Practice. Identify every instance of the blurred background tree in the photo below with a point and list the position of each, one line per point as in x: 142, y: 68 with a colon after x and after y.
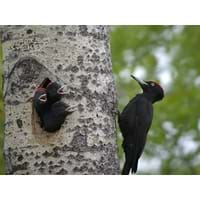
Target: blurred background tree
x: 168, y: 54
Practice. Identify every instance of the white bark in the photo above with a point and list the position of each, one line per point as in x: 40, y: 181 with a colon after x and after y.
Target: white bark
x: 79, y: 57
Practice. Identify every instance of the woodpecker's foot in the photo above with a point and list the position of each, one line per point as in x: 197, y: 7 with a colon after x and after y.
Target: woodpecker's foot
x: 71, y: 109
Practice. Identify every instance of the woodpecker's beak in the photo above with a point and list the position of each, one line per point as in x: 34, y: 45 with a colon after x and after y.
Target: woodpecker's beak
x: 141, y: 82
x: 61, y: 90
x: 43, y: 98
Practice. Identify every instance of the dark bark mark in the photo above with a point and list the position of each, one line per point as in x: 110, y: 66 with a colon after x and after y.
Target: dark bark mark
x: 62, y: 172
x: 19, y: 167
x: 19, y: 123
x: 98, y: 35
x: 29, y: 31
x: 83, y: 30
x: 6, y: 37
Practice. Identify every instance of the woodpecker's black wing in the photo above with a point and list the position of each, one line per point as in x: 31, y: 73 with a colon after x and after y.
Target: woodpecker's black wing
x: 55, y: 117
x: 134, y: 122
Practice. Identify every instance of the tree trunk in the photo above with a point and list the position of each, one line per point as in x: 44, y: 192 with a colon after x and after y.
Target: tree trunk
x: 78, y: 57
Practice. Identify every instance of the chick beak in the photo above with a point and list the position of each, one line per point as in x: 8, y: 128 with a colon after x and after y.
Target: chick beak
x: 61, y: 90
x: 141, y: 82
x: 43, y: 98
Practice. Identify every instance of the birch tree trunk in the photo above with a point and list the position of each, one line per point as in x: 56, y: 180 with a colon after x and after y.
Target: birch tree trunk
x: 78, y: 57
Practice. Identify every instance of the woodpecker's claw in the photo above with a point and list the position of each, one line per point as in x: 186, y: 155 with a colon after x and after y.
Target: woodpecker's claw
x: 71, y: 109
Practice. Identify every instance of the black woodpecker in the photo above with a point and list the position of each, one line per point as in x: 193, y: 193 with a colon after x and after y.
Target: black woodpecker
x: 135, y: 121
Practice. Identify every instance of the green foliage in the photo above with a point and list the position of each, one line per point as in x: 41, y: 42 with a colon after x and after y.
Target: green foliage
x: 174, y: 139
x: 1, y: 117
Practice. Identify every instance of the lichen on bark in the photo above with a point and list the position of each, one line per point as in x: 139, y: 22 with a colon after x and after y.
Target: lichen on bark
x: 78, y: 57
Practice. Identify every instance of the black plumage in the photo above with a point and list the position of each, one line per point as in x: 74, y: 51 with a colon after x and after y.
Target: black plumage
x: 135, y: 121
x: 55, y: 116
x: 54, y: 92
x: 40, y: 103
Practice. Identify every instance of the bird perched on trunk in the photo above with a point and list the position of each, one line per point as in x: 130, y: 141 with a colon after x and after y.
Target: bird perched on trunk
x: 135, y: 121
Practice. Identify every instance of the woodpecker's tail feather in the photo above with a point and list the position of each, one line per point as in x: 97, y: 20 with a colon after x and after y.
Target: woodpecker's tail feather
x: 134, y: 166
x: 126, y: 168
x: 131, y: 162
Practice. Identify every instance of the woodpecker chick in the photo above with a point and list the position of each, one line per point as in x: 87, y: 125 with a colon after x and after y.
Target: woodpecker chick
x: 51, y: 110
x: 54, y: 92
x: 135, y: 121
x: 55, y: 116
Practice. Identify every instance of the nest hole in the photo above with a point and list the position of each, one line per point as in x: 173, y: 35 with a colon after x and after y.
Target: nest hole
x: 42, y: 136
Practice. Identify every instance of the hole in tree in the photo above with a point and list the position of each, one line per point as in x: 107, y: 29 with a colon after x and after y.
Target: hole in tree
x: 42, y: 136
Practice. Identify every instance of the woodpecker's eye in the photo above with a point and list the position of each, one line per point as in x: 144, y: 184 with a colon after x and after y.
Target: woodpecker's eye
x: 153, y: 84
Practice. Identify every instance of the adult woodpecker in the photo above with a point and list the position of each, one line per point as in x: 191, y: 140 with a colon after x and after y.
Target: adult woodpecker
x: 135, y: 121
